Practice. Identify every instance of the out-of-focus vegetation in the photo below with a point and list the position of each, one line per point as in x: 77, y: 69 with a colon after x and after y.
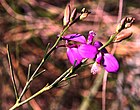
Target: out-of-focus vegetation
x: 28, y: 25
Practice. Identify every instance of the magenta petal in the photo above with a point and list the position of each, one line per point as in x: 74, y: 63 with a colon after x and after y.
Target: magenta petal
x: 98, y: 44
x: 110, y: 63
x: 90, y: 37
x: 87, y: 51
x: 75, y: 37
x: 99, y: 58
x: 73, y: 56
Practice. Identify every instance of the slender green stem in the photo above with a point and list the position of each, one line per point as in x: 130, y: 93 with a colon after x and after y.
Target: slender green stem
x: 35, y: 72
x: 109, y: 41
x: 28, y: 82
x: 47, y: 48
x: 69, y: 77
x: 18, y: 104
x: 59, y: 79
x: 62, y: 76
x: 12, y: 72
x: 57, y: 41
x: 29, y: 71
x: 88, y: 64
x: 39, y: 73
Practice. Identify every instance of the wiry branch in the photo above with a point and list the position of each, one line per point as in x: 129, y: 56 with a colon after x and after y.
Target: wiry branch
x: 12, y: 72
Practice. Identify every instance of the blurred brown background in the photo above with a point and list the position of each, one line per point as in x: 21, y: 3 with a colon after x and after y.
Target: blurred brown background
x: 28, y: 25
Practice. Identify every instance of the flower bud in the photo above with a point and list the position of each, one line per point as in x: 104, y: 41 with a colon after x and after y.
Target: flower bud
x: 67, y: 13
x: 123, y: 36
x: 121, y: 25
x: 125, y: 23
x: 73, y: 14
x: 83, y: 10
x: 130, y: 20
x: 84, y: 14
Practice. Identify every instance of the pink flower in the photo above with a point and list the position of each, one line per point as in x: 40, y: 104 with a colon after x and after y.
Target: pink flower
x: 108, y: 61
x: 84, y: 50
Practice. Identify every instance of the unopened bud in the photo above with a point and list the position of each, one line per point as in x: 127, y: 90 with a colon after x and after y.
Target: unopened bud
x: 129, y: 21
x: 83, y: 10
x: 125, y: 23
x: 84, y: 14
x: 67, y: 14
x: 122, y: 36
x: 73, y: 14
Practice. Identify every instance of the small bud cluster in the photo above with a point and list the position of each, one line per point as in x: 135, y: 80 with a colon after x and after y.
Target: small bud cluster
x: 122, y: 36
x: 67, y: 14
x: 84, y: 14
x: 70, y: 17
x: 125, y: 23
x: 123, y: 26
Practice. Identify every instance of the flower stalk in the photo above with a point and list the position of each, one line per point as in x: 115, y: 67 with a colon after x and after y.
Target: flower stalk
x: 18, y: 101
x: 46, y: 88
x: 12, y: 73
x: 109, y: 41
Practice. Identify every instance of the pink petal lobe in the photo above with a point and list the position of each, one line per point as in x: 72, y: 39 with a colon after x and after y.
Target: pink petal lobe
x: 110, y: 63
x: 73, y: 55
x: 91, y: 35
x: 75, y: 37
x: 87, y: 51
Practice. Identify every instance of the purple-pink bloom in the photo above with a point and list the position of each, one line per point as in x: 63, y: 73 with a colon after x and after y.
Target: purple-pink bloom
x: 74, y: 56
x: 84, y: 50
x: 76, y: 53
x: 108, y: 61
x: 91, y: 35
x: 75, y: 37
x: 87, y: 51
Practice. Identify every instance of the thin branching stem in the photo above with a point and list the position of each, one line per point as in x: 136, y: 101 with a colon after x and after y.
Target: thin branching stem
x: 61, y: 78
x: 46, y: 88
x: 39, y: 73
x: 12, y: 72
x: 29, y: 71
x: 57, y: 41
x: 47, y: 48
x: 18, y: 102
x: 109, y: 41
